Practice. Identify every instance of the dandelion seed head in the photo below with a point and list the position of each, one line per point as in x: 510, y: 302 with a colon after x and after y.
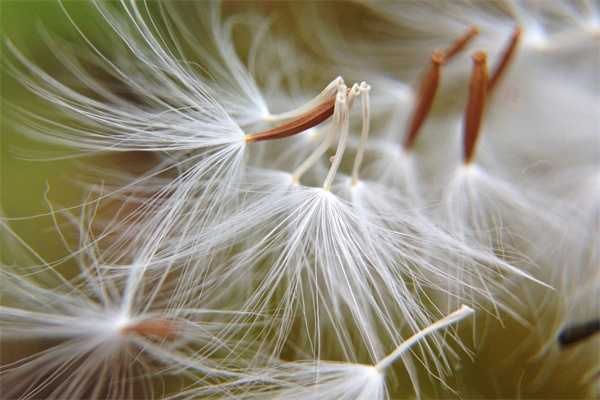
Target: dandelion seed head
x: 292, y: 237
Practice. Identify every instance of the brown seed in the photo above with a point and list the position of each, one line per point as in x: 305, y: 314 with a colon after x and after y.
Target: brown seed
x: 430, y: 83
x: 461, y: 42
x: 429, y: 86
x: 475, y: 104
x: 506, y: 57
x: 296, y: 125
x: 158, y: 330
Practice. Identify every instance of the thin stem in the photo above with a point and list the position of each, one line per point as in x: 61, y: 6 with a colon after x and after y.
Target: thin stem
x: 429, y: 86
x: 340, y: 100
x: 364, y: 134
x: 456, y: 316
x: 325, y: 94
x: 339, y: 153
x: 475, y: 105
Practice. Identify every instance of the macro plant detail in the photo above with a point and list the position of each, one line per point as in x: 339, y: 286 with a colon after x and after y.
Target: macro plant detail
x: 251, y: 225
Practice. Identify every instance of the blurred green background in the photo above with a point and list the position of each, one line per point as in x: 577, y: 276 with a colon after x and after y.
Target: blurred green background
x: 24, y: 174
